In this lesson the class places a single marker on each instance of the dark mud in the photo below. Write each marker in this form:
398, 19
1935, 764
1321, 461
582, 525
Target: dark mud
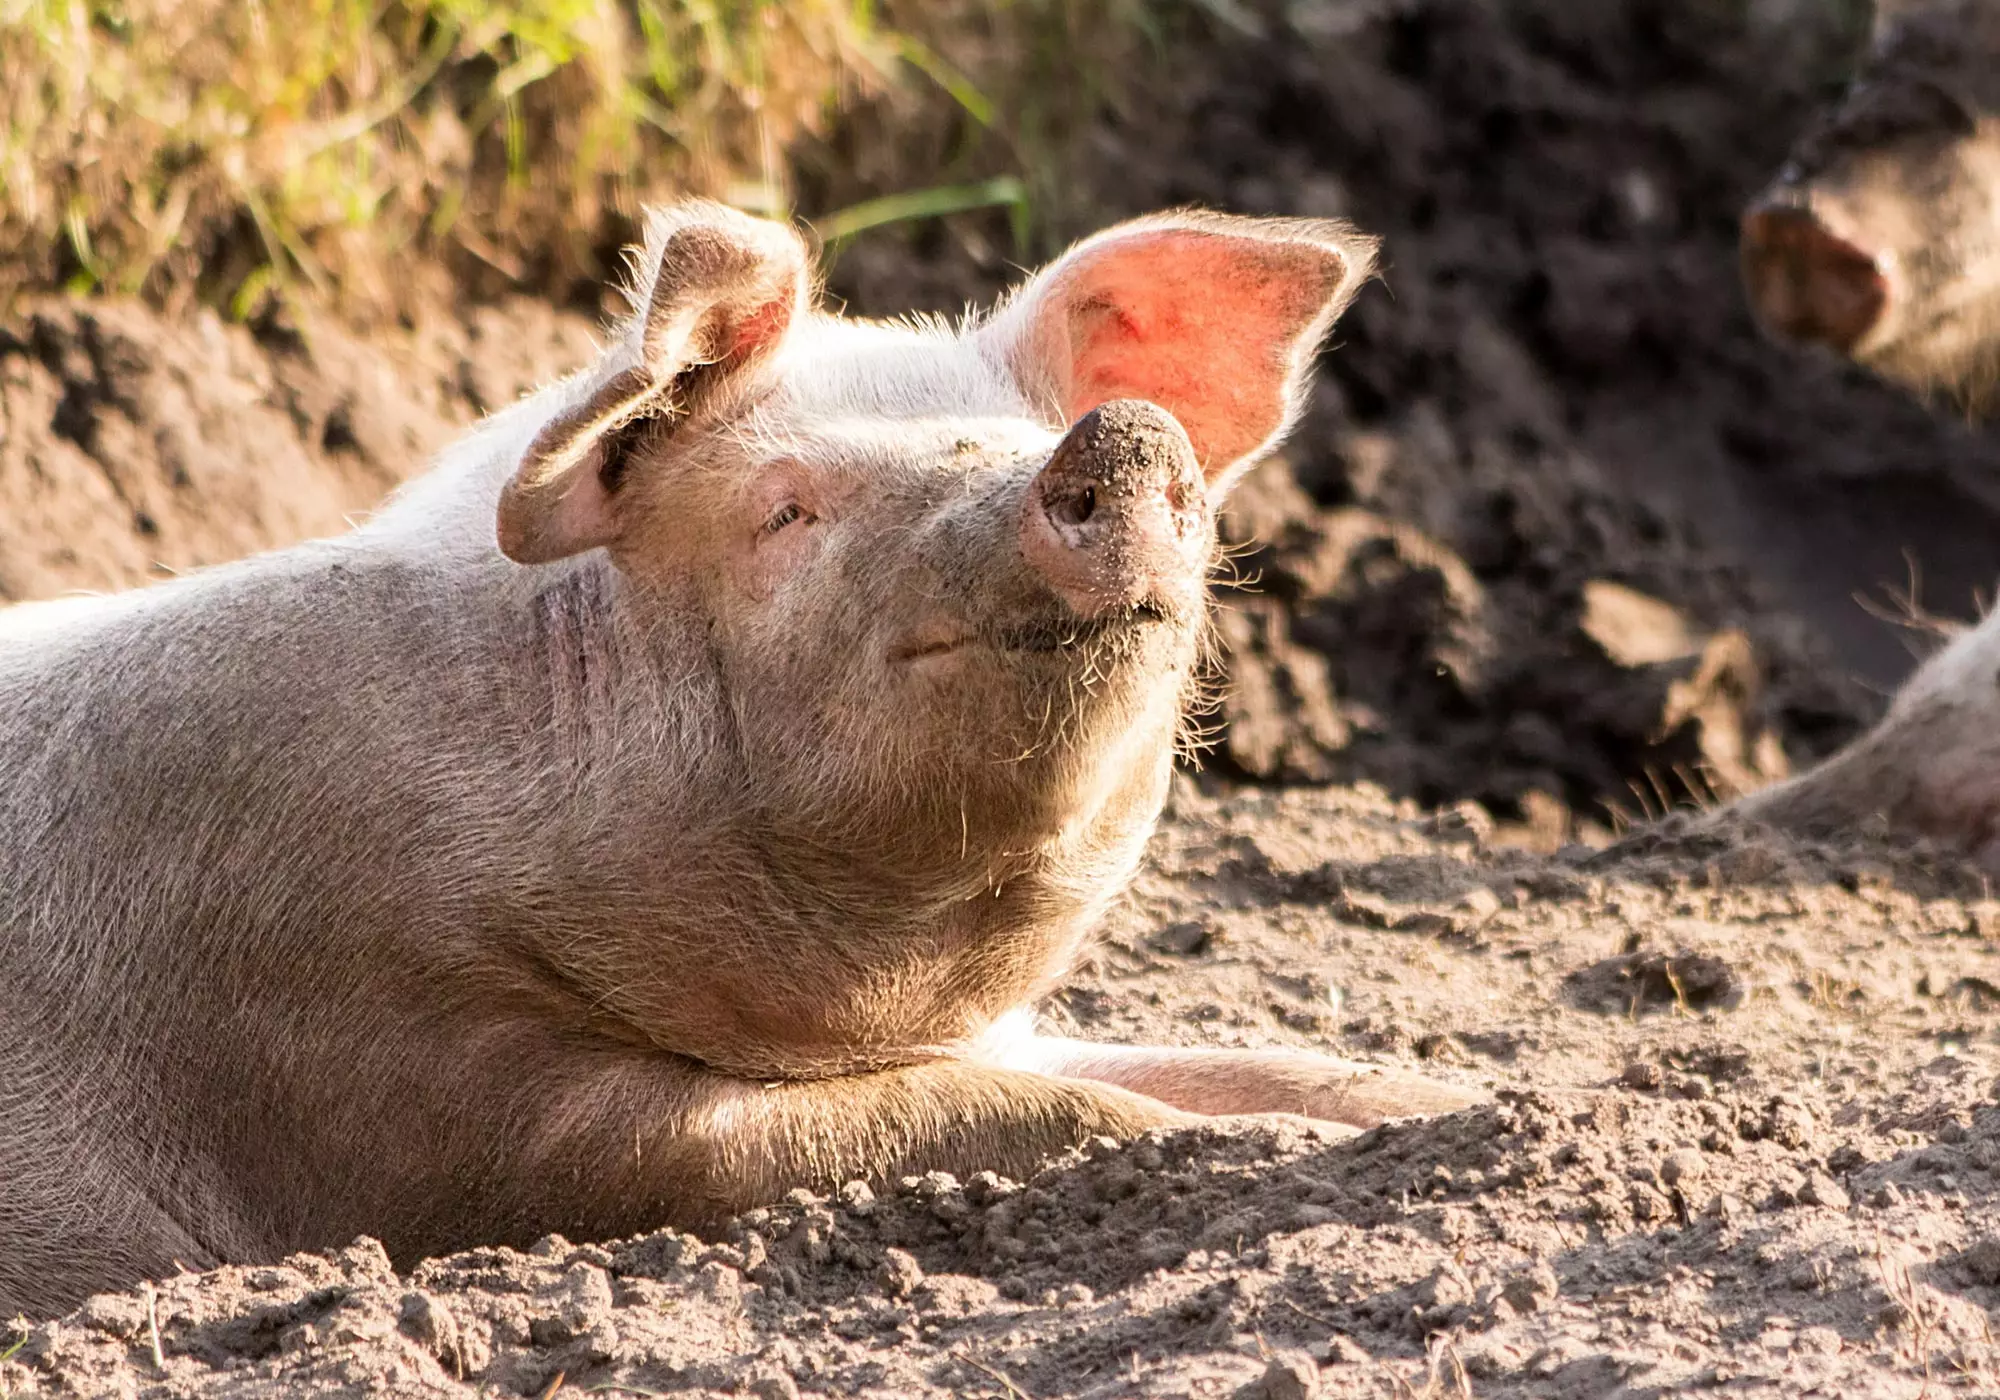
133, 447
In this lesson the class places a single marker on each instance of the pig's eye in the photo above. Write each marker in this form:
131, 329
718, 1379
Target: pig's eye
789, 513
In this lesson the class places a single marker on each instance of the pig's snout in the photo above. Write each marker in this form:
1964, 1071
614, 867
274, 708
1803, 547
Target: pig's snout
1809, 283
1119, 516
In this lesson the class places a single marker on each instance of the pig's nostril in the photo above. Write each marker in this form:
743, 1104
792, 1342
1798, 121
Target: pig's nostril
1807, 283
1074, 507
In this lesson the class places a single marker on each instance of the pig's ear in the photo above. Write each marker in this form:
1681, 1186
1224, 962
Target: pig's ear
1212, 317
715, 294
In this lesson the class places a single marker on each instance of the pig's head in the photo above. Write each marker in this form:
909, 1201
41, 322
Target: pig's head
950, 581
1880, 238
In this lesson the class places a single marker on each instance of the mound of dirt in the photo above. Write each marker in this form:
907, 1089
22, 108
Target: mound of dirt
1788, 1189
132, 447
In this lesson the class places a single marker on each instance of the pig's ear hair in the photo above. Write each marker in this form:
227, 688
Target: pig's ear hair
1214, 318
714, 293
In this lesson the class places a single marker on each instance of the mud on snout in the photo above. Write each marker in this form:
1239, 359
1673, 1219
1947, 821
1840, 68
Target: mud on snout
1080, 574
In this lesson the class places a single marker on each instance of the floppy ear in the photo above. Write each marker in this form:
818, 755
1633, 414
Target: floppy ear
1213, 317
717, 291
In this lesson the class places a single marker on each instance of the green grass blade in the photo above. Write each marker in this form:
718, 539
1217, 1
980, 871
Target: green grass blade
933, 203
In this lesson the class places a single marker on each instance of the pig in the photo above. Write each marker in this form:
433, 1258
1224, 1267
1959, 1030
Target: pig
1929, 769
679, 795
1880, 238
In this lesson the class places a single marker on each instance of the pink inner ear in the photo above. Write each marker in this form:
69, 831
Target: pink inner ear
1205, 325
761, 329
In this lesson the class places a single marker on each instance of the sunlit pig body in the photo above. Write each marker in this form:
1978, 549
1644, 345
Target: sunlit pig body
680, 795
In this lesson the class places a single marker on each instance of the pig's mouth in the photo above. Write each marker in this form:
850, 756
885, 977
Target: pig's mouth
1042, 637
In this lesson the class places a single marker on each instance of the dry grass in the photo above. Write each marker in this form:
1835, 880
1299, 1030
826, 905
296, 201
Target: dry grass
229, 150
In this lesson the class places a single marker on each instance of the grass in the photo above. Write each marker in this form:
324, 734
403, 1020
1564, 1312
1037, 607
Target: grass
230, 151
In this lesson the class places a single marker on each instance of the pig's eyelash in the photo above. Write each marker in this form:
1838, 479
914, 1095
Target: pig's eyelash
789, 513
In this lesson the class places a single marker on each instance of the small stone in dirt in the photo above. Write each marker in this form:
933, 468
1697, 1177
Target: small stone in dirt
1980, 1263
1641, 1075
1479, 902
427, 1323
1822, 1190
1682, 1168
858, 1198
1463, 821
720, 1282
1187, 939
774, 1385
1290, 1375
1532, 1289
583, 1307
114, 1314
1634, 629
900, 1273
1887, 1194
1786, 1184
1787, 1122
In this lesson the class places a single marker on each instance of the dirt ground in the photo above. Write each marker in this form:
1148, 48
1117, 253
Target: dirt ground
1743, 1138
1561, 545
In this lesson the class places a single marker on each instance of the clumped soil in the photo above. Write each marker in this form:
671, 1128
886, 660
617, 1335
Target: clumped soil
1743, 1135
1560, 544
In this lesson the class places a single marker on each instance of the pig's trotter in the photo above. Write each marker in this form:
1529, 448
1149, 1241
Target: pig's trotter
1232, 1082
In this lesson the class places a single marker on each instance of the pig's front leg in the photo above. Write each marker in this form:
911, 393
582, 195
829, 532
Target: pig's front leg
750, 1143
1232, 1082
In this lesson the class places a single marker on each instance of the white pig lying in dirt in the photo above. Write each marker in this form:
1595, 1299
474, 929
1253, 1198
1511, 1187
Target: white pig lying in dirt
709, 834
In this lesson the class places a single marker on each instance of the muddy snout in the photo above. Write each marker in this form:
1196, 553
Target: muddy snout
1811, 278
1119, 517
